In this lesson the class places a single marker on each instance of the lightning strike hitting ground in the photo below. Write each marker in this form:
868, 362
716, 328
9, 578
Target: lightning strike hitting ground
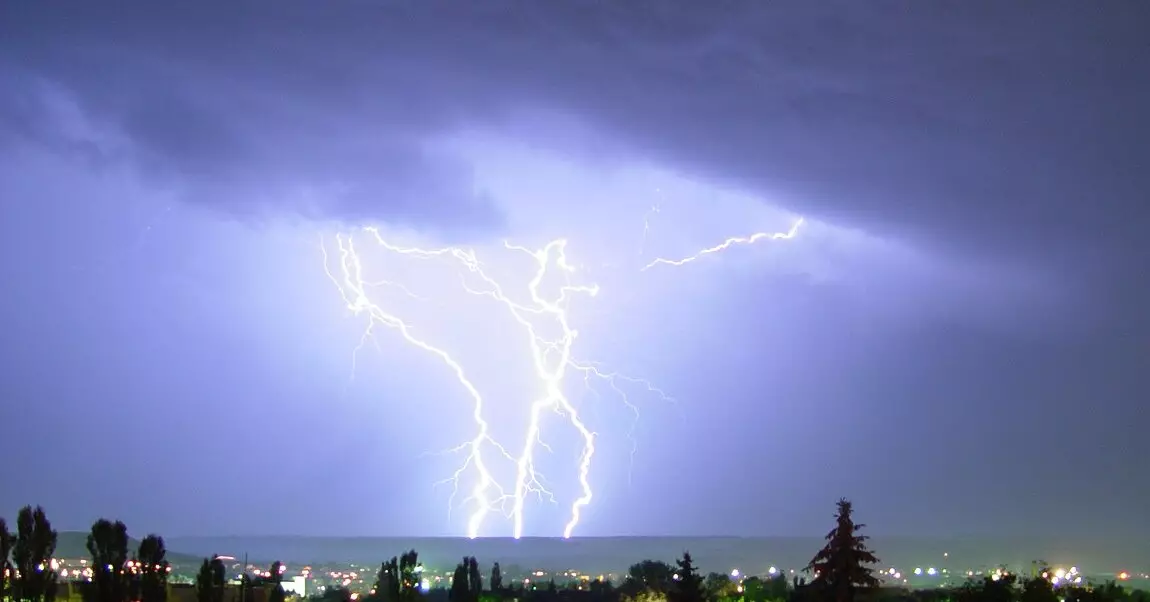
728, 243
552, 357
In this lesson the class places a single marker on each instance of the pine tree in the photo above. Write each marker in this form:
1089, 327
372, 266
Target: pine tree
688, 584
843, 565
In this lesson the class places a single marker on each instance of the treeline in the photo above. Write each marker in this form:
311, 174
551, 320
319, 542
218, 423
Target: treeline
842, 571
30, 572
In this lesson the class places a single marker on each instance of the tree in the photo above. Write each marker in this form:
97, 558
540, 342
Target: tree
211, 580
35, 578
648, 575
460, 590
719, 585
409, 576
275, 579
843, 565
688, 584
153, 569
1038, 588
387, 582
6, 550
474, 578
496, 578
108, 547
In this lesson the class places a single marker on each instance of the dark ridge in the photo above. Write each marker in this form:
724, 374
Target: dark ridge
613, 554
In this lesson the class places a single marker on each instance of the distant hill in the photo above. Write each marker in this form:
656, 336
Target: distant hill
74, 544
614, 554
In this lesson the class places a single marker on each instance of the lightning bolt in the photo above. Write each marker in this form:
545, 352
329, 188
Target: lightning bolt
551, 359
726, 244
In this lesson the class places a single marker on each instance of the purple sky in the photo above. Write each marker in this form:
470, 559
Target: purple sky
956, 339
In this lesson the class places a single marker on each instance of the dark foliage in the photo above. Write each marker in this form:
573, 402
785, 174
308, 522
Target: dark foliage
687, 584
152, 570
211, 581
844, 564
496, 578
108, 548
32, 550
648, 575
6, 551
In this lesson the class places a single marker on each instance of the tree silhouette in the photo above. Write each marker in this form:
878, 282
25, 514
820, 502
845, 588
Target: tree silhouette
843, 565
496, 578
409, 576
6, 550
211, 580
32, 550
998, 586
688, 584
648, 575
275, 579
460, 589
474, 578
108, 547
719, 585
153, 569
387, 582
1038, 587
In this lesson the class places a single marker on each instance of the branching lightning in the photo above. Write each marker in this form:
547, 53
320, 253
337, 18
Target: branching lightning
551, 358
728, 243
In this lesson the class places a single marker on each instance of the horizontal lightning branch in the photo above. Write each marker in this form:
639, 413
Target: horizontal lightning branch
728, 243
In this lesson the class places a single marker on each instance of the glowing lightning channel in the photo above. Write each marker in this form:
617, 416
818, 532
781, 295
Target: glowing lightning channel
354, 292
551, 359
726, 244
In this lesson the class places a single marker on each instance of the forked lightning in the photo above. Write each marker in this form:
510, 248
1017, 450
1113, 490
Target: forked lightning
552, 357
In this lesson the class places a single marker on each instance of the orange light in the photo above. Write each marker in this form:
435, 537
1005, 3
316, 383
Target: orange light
1123, 575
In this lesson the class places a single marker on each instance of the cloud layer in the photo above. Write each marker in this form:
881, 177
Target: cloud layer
981, 127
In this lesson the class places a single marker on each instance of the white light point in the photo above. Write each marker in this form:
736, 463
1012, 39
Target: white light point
551, 359
728, 243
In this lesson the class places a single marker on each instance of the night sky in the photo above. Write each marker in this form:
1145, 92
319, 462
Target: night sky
956, 338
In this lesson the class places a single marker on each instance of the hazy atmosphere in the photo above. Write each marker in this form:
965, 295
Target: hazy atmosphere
955, 335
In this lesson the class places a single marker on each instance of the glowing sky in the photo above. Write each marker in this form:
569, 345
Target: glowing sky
957, 331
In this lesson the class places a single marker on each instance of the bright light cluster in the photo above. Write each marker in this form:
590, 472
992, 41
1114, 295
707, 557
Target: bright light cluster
551, 357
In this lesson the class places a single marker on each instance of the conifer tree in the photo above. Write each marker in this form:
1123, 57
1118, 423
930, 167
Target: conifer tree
843, 565
688, 583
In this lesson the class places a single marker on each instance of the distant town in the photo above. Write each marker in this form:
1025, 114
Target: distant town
105, 565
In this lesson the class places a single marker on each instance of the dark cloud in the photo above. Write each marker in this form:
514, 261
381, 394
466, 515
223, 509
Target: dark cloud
981, 127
